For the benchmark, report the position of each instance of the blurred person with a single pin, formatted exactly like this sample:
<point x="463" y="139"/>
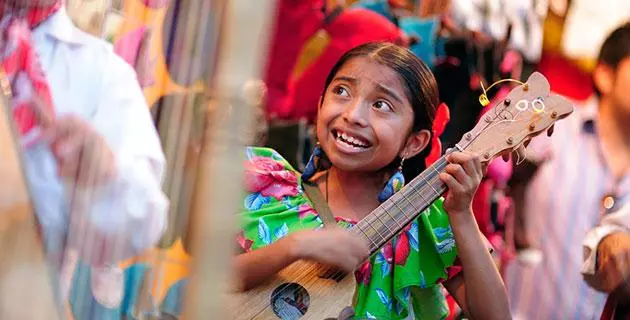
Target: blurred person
<point x="92" y="157"/>
<point x="607" y="262"/>
<point x="586" y="160"/>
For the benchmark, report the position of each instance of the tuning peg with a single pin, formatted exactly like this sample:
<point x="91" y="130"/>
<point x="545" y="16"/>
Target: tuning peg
<point x="550" y="130"/>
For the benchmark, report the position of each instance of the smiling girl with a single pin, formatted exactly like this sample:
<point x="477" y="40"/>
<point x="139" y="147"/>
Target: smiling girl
<point x="374" y="132"/>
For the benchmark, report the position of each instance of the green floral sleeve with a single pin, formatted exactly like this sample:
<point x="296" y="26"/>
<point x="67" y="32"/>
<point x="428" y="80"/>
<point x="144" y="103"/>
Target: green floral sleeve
<point x="407" y="270"/>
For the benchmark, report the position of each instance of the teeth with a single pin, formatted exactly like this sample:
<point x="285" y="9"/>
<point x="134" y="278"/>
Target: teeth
<point x="354" y="142"/>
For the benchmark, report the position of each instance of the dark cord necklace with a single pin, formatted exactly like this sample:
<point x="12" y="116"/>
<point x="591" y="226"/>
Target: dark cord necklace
<point x="326" y="185"/>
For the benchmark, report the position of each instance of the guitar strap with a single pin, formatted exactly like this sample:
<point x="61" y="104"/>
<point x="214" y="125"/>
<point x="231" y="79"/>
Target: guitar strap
<point x="319" y="204"/>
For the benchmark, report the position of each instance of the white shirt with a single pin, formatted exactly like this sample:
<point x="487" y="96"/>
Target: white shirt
<point x="618" y="221"/>
<point x="588" y="23"/>
<point x="493" y="17"/>
<point x="89" y="80"/>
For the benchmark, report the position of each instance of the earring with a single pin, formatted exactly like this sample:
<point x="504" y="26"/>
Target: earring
<point x="394" y="184"/>
<point x="317" y="162"/>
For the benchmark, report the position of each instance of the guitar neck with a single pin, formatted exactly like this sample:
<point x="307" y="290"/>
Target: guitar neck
<point x="393" y="215"/>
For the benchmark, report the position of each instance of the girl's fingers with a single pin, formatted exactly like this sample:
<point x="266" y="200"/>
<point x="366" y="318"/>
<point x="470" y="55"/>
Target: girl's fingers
<point x="451" y="183"/>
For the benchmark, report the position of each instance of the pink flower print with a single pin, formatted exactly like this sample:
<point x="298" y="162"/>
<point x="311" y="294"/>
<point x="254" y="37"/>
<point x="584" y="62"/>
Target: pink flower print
<point x="245" y="243"/>
<point x="388" y="252"/>
<point x="364" y="274"/>
<point x="306" y="210"/>
<point x="270" y="178"/>
<point x="402" y="249"/>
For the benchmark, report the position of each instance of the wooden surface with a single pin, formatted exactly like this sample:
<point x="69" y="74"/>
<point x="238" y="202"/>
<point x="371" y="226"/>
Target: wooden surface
<point x="506" y="127"/>
<point x="327" y="297"/>
<point x="25" y="284"/>
<point x="242" y="51"/>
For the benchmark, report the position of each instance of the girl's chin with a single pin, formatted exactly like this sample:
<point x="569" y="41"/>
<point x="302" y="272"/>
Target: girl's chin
<point x="354" y="164"/>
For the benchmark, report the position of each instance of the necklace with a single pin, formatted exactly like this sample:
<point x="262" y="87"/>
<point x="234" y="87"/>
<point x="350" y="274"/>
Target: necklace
<point x="326" y="181"/>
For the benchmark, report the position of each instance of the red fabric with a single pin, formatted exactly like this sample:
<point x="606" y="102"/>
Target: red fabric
<point x="565" y="77"/>
<point x="442" y="117"/>
<point x="23" y="71"/>
<point x="296" y="22"/>
<point x="351" y="28"/>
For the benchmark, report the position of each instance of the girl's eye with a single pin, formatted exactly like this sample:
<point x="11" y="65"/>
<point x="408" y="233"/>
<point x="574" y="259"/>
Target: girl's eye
<point x="341" y="91"/>
<point x="383" y="106"/>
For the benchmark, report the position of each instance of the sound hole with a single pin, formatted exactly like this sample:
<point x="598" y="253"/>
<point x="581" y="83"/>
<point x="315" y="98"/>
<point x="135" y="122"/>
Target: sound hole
<point x="290" y="301"/>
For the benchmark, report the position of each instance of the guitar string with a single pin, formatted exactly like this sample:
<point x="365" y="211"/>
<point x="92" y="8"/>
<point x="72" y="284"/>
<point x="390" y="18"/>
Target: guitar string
<point x="432" y="180"/>
<point x="340" y="273"/>
<point x="302" y="271"/>
<point x="414" y="195"/>
<point x="388" y="204"/>
<point x="427" y="183"/>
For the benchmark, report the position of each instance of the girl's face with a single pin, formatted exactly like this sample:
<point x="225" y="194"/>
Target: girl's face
<point x="365" y="118"/>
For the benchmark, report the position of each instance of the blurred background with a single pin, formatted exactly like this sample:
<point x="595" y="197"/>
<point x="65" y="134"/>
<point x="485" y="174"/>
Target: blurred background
<point x="464" y="42"/>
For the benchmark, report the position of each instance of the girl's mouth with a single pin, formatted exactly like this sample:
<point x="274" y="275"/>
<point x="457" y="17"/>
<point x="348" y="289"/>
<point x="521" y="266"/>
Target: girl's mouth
<point x="349" y="142"/>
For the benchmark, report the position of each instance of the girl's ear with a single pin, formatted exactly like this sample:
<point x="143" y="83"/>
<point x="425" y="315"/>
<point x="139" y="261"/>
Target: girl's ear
<point x="416" y="142"/>
<point x="604" y="78"/>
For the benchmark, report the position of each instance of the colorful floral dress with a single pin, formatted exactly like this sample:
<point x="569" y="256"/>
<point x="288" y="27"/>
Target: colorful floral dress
<point x="407" y="270"/>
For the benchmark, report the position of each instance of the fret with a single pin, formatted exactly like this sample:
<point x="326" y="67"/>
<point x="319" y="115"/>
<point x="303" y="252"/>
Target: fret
<point x="431" y="188"/>
<point x="389" y="215"/>
<point x="375" y="230"/>
<point x="401" y="210"/>
<point x="377" y="217"/>
<point x="374" y="243"/>
<point x="419" y="192"/>
<point x="358" y="227"/>
<point x="411" y="203"/>
<point x="426" y="180"/>
<point x="430" y="184"/>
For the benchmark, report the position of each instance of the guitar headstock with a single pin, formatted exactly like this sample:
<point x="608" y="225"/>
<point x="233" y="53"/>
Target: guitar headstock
<point x="528" y="110"/>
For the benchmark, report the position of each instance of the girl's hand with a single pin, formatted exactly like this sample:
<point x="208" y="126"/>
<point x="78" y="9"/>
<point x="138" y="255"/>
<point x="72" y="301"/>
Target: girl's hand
<point x="333" y="247"/>
<point x="462" y="177"/>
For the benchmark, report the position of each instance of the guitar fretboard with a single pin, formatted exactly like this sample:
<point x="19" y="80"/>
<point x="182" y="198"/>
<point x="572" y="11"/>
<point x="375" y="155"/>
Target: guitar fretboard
<point x="393" y="215"/>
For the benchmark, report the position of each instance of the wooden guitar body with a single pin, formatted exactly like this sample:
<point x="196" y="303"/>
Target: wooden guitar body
<point x="307" y="291"/>
<point x="303" y="290"/>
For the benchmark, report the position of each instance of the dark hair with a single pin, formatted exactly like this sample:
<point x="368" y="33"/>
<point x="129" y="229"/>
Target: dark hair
<point x="421" y="90"/>
<point x="615" y="48"/>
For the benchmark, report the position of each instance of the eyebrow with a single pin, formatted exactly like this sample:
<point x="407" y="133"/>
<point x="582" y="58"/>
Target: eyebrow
<point x="383" y="88"/>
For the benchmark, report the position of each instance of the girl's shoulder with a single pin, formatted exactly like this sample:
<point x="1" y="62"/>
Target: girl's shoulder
<point x="274" y="203"/>
<point x="258" y="155"/>
<point x="269" y="175"/>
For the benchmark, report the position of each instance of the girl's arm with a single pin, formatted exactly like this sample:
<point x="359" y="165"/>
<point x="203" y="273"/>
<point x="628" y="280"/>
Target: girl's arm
<point x="478" y="289"/>
<point x="255" y="267"/>
<point x="334" y="247"/>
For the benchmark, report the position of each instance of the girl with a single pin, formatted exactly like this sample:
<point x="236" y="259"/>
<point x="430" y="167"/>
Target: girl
<point x="373" y="129"/>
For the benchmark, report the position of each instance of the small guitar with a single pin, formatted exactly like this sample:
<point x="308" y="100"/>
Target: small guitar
<point x="305" y="290"/>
